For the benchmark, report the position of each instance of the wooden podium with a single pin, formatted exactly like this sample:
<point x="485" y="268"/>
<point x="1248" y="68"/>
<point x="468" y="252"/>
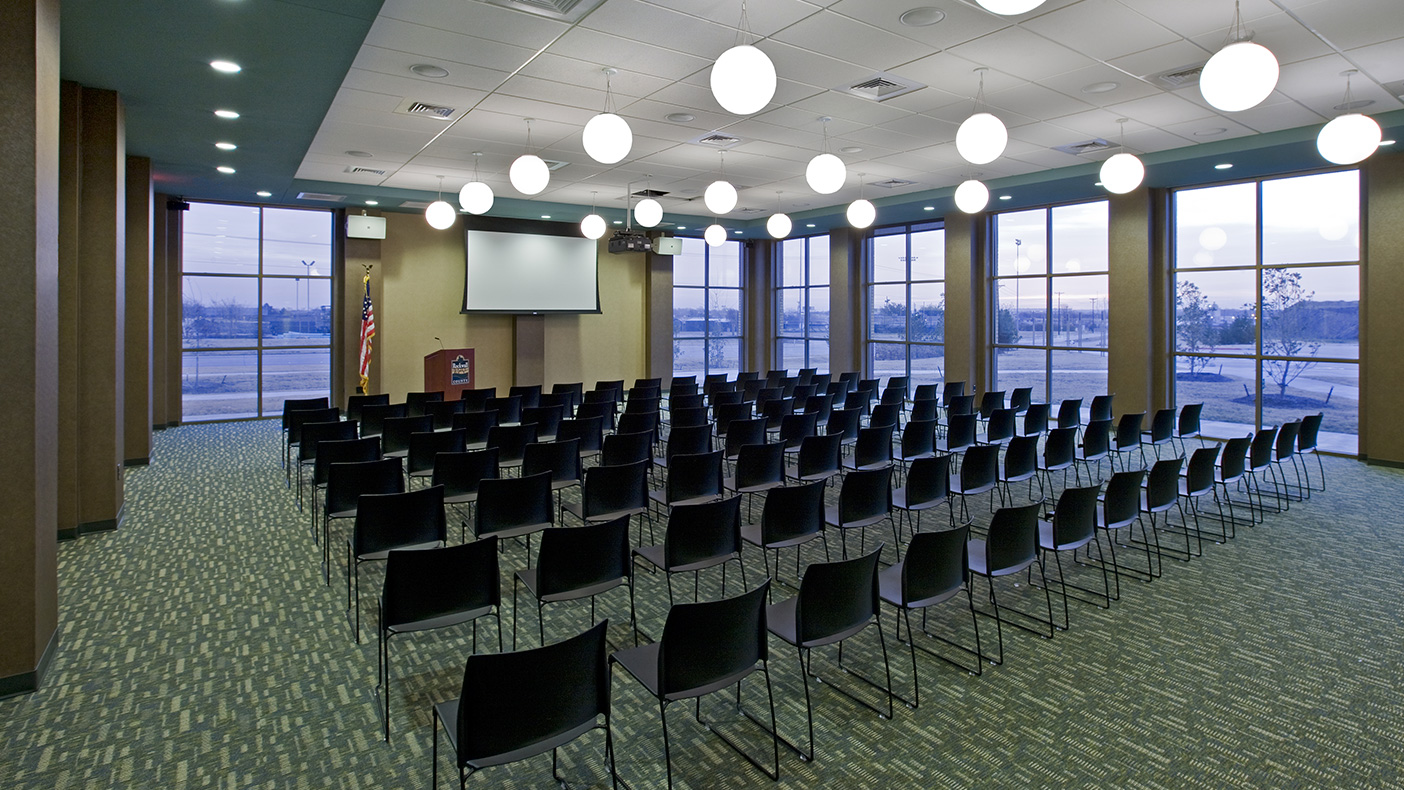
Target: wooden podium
<point x="450" y="370"/>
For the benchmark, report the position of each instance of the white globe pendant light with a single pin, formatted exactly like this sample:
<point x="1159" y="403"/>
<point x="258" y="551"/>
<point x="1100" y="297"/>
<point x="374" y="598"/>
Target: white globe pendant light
<point x="440" y="215"/>
<point x="779" y="225"/>
<point x="743" y="78"/>
<point x="1348" y="138"/>
<point x="981" y="138"/>
<point x="972" y="196"/>
<point x="593" y="226"/>
<point x="720" y="197"/>
<point x="825" y="173"/>
<point x="648" y="212"/>
<point x="608" y="137"/>
<point x="475" y="197"/>
<point x="529" y="173"/>
<point x="1240" y="75"/>
<point x="1122" y="173"/>
<point x="1010" y="7"/>
<point x="861" y="213"/>
<point x="715" y="235"/>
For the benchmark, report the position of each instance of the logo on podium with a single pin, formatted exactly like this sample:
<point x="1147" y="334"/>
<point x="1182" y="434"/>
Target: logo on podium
<point x="460" y="372"/>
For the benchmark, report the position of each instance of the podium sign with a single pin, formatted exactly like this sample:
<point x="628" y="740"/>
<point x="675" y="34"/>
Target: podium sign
<point x="450" y="370"/>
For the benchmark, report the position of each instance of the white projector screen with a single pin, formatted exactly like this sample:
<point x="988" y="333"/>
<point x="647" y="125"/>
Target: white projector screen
<point x="529" y="273"/>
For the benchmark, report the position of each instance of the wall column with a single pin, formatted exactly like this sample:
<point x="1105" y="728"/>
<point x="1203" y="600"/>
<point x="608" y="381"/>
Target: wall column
<point x="967" y="321"/>
<point x="29" y="164"/>
<point x="69" y="171"/>
<point x="136" y="436"/>
<point x="846" y="314"/>
<point x="175" y="226"/>
<point x="1133" y="267"/>
<point x="158" y="311"/>
<point x="660" y="316"/>
<point x="1382" y="335"/>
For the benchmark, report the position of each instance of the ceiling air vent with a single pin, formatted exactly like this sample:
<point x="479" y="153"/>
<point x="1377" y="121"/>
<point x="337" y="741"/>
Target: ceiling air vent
<point x="563" y="10"/>
<point x="320" y="196"/>
<point x="649" y="193"/>
<point x="750" y="211"/>
<point x="720" y="140"/>
<point x="426" y="110"/>
<point x="892" y="183"/>
<point x="418" y="205"/>
<point x="880" y="87"/>
<point x="363" y="171"/>
<point x="554" y="165"/>
<point x="1085" y="147"/>
<point x="1182" y="77"/>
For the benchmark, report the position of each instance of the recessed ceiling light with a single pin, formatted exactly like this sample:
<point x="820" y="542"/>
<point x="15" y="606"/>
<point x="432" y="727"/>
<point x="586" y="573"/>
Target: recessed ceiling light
<point x="1099" y="183"/>
<point x="360" y="154"/>
<point x="851" y="149"/>
<point x="928" y="208"/>
<point x="679" y="117"/>
<point x="1006" y="197"/>
<point x="1211" y="132"/>
<point x="1386" y="142"/>
<point x="737" y="232"/>
<point x="619" y="222"/>
<point x="682" y="227"/>
<point x="226" y="114"/>
<point x="226" y="169"/>
<point x="226" y="146"/>
<point x="1101" y="87"/>
<point x="1224" y="166"/>
<point x="372" y="202"/>
<point x="921" y="17"/>
<point x="810" y="225"/>
<point x="228" y="67"/>
<point x="429" y="70"/>
<point x="264" y="193"/>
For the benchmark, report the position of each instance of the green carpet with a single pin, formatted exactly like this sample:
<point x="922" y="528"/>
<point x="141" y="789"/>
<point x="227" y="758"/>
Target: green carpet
<point x="199" y="647"/>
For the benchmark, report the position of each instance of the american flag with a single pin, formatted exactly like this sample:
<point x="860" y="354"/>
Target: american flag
<point x="367" y="332"/>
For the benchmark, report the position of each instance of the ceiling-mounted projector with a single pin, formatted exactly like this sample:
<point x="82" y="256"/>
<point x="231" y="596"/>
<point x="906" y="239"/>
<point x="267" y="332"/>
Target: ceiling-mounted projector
<point x="624" y="241"/>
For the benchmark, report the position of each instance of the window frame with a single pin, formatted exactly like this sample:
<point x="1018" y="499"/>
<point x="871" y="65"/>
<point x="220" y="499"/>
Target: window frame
<point x="870" y="344"/>
<point x="742" y="259"/>
<point x="807" y="289"/>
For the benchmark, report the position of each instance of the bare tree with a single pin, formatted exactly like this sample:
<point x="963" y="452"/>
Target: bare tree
<point x="1194" y="324"/>
<point x="1287" y="324"/>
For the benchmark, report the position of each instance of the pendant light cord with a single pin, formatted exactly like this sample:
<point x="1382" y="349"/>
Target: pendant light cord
<point x="743" y="28"/>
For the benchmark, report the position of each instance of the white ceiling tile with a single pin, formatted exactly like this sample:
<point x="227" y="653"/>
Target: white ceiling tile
<point x="887" y="138"/>
<point x="1383" y="62"/>
<point x="765" y="18"/>
<point x="1071" y="84"/>
<point x="1278" y="116"/>
<point x="1083" y="26"/>
<point x="812" y="68"/>
<point x="962" y="23"/>
<point x="1162" y="109"/>
<point x="1374" y="21"/>
<point x="437" y="44"/>
<point x="1046" y="135"/>
<point x="848" y="107"/>
<point x="802" y="119"/>
<point x="1093" y="123"/>
<point x="1188" y="130"/>
<point x="581" y="96"/>
<point x="1148" y="140"/>
<point x="480" y="19"/>
<point x="955" y="74"/>
<point x="684" y="32"/>
<point x="585" y="44"/>
<point x="395" y="63"/>
<point x="625" y="83"/>
<point x="410" y="88"/>
<point x="1318" y="84"/>
<point x="1196" y="17"/>
<point x="923" y="127"/>
<point x="1157" y="60"/>
<point x="851" y="40"/>
<point x="1280" y="33"/>
<point x="1021" y="53"/>
<point x="925" y="100"/>
<point x="1034" y="101"/>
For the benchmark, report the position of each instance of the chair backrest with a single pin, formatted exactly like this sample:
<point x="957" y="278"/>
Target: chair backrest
<point x="951" y="390"/>
<point x="575" y="558"/>
<point x="477" y="399"/>
<point x="395" y="432"/>
<point x="1036" y="418"/>
<point x="588" y="430"/>
<point x="703" y="532"/>
<point x="306" y="404"/>
<point x="1021" y="457"/>
<point x="688" y="417"/>
<point x="425" y="447"/>
<point x="1122" y="503"/>
<point x="678" y="401"/>
<point x="511" y="702"/>
<point x="643" y="403"/>
<point x="704" y="643"/>
<point x="776" y="409"/>
<point x="760" y="465"/>
<point x="647" y="422"/>
<point x="991" y="401"/>
<point x="1260" y="451"/>
<point x="460" y="473"/>
<point x="960" y="430"/>
<point x="750" y="389"/>
<point x="689" y="440"/>
<point x="565" y="400"/>
<point x="1162" y="426"/>
<point x="1128" y="430"/>
<point x="893" y="395"/>
<point x="612" y="489"/>
<point x="682" y="381"/>
<point x="354" y="403"/>
<point x="927" y="392"/>
<point x="509" y="409"/>
<point x="442" y="412"/>
<point x="1075" y="520"/>
<point x="806" y="375"/>
<point x="802" y="392"/>
<point x="653" y="383"/>
<point x="886" y="415"/>
<point x="1163" y="483"/>
<point x="414" y="401"/>
<point x="836" y="599"/>
<point x="858" y="400"/>
<point x="1096" y="440"/>
<point x="1286" y="439"/>
<point x="1101" y="408"/>
<point x="1235" y="456"/>
<point x="614" y="385"/>
<point x="924" y="409"/>
<point x="575" y="390"/>
<point x="865" y="494"/>
<point x="724" y="414"/>
<point x="546" y="418"/>
<point x="602" y="396"/>
<point x="898" y="382"/>
<point x="792" y="512"/>
<point x="340" y="452"/>
<point x="820" y="455"/>
<point x="346" y="482"/>
<point x="373" y="416"/>
<point x="742" y="433"/>
<point x="1199" y="477"/>
<point x="980" y="467"/>
<point x="935" y="564"/>
<point x="919" y="437"/>
<point x="1001" y="425"/>
<point x="1021" y="398"/>
<point x="795" y="427"/>
<point x="693" y="476"/>
<point x="961" y="404"/>
<point x="427" y="583"/>
<point x="845" y="422"/>
<point x="314" y="433"/>
<point x="560" y="458"/>
<point x="1070" y="413"/>
<point x="475" y="424"/>
<point x="874" y="447"/>
<point x="603" y="410"/>
<point x="511" y="441"/>
<point x="294" y="420"/>
<point x="1306" y="437"/>
<point x="1012" y="541"/>
<point x="505" y="503"/>
<point x="1060" y="449"/>
<point x="621" y="449"/>
<point x="392" y="521"/>
<point x="850" y="380"/>
<point x="929" y="480"/>
<point x="529" y="393"/>
<point x="1189" y="419"/>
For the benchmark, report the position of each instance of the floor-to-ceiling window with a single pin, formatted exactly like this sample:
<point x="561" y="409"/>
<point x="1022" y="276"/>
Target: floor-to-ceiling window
<point x="802" y="326"/>
<point x="256" y="309"/>
<point x="906" y="320"/>
<point x="706" y="308"/>
<point x="1049" y="322"/>
<point x="1267" y="303"/>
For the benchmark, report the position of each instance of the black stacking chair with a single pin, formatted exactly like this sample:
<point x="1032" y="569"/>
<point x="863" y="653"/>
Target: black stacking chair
<point x="648" y="422"/>
<point x="844" y="422"/>
<point x="1160" y="494"/>
<point x="589" y="431"/>
<point x="759" y="468"/>
<point x="792" y="516"/>
<point x="1187" y="426"/>
<point x="989" y="402"/>
<point x="1059" y="455"/>
<point x="698" y="537"/>
<point x="1096" y="446"/>
<point x="609" y="492"/>
<point x="961" y="404"/>
<point x="691" y="480"/>
<point x="459" y="474"/>
<point x="509" y="409"/>
<point x="294" y="420"/>
<point x="819" y="458"/>
<point x="999" y="427"/>
<point x="604" y="410"/>
<point x="1020" y="399"/>
<point x="742" y="433"/>
<point x="724" y="414"/>
<point x="510" y="441"/>
<point x="476" y="425"/>
<point x="313" y="434"/>
<point x="396" y="431"/>
<point x="795" y="428"/>
<point x="1074" y="525"/>
<point x="415" y="401"/>
<point x="918" y="441"/>
<point x="346" y="483"/>
<point x="426" y="589"/>
<point x="928" y="485"/>
<point x="960" y="434"/>
<point x="575" y="563"/>
<point x="574" y="393"/>
<point x="512" y="507"/>
<point x="547" y="420"/>
<point x="775" y="410"/>
<point x="1010" y="548"/>
<point x="338" y="452"/>
<point x="1101" y="408"/>
<point x="621" y="449"/>
<point x="1035" y="420"/>
<point x="706" y="647"/>
<point x="886" y="415"/>
<point x="1120" y="508"/>
<point x="477" y="399"/>
<point x="565" y="400"/>
<point x="425" y="447"/>
<point x="979" y="473"/>
<point x="354" y="403"/>
<point x="1196" y="482"/>
<point x="836" y="601"/>
<point x="688" y="417"/>
<point x="927" y="392"/>
<point x="410" y="520"/>
<point x="686" y="440"/>
<point x="865" y="499"/>
<point x="442" y="413"/>
<point x="291" y="405"/>
<point x="934" y="571"/>
<point x="1284" y="452"/>
<point x="597" y="395"/>
<point x="1307" y="438"/>
<point x="529" y="393"/>
<point x="872" y="451"/>
<point x="1232" y="467"/>
<point x="925" y="409"/>
<point x="1162" y="431"/>
<point x="1128" y="439"/>
<point x="517" y="705"/>
<point x="560" y="459"/>
<point x="1070" y="413"/>
<point x="373" y="417"/>
<point x="1259" y="464"/>
<point x="1020" y="465"/>
<point x="951" y="390"/>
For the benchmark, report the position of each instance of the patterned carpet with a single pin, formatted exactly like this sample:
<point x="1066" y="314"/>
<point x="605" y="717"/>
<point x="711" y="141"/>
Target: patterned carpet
<point x="200" y="648"/>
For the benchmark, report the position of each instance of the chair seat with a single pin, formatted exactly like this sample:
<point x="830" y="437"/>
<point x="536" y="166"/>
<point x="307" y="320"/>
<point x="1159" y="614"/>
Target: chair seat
<point x="381" y="555"/>
<point x="642" y="663"/>
<point x="831" y="518"/>
<point x="574" y="508"/>
<point x="984" y="438"/>
<point x="793" y="474"/>
<point x="890" y="589"/>
<point x="975" y="549"/>
<point x="1022" y="476"/>
<point x="514" y="532"/>
<point x="661" y="497"/>
<point x="729" y="484"/>
<point x="1146" y="439"/>
<point x="461" y="499"/>
<point x="448" y="715"/>
<point x="899" y="501"/>
<point x="1184" y="489"/>
<point x="442" y="621"/>
<point x="780" y="620"/>
<point x="956" y="488"/>
<point x="906" y="459"/>
<point x="654" y="554"/>
<point x="1102" y="518"/>
<point x="396" y="454"/>
<point x="530" y="578"/>
<point x="1045" y="539"/>
<point x="1146" y="508"/>
<point x="1058" y="467"/>
<point x="856" y="467"/>
<point x="751" y="533"/>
